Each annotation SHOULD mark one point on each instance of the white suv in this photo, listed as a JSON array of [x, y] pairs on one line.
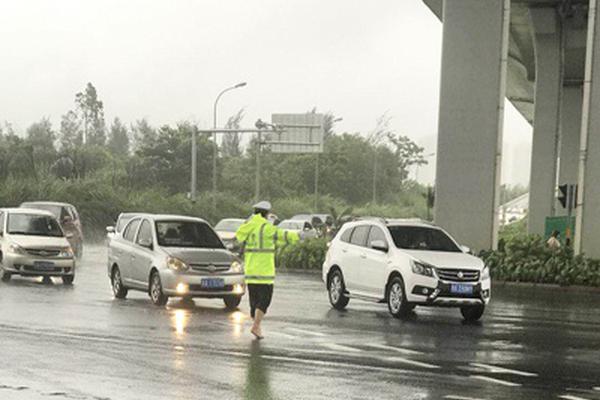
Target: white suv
[[404, 263]]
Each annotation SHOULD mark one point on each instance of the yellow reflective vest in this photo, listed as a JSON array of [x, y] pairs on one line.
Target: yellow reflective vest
[[260, 239]]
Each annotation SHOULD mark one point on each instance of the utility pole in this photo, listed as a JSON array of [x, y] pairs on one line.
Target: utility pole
[[194, 166], [257, 177]]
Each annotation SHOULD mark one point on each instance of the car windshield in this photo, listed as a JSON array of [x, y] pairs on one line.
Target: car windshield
[[187, 234], [291, 225], [54, 209], [228, 225], [422, 238], [35, 225]]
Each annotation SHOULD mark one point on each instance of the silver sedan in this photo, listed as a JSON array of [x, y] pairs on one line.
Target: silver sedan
[[173, 256]]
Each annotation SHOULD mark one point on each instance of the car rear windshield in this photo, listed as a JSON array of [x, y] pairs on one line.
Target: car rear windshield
[[34, 225], [228, 225], [187, 234], [422, 238]]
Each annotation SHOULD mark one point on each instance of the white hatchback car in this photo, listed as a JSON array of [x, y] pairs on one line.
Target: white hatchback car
[[173, 256], [404, 263]]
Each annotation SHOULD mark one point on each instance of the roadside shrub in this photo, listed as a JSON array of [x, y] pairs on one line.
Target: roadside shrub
[[309, 254], [528, 259]]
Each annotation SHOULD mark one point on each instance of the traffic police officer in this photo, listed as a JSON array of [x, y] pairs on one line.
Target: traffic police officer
[[260, 238]]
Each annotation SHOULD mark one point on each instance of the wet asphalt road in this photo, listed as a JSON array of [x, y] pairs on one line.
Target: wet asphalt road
[[80, 343]]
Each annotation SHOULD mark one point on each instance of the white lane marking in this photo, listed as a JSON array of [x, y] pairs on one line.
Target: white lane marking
[[396, 349], [571, 397], [501, 370], [412, 362], [307, 332], [494, 380], [456, 397], [340, 347]]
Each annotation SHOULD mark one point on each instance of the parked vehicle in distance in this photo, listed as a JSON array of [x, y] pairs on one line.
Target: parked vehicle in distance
[[32, 243], [299, 226], [405, 263], [173, 256], [68, 218], [226, 229]]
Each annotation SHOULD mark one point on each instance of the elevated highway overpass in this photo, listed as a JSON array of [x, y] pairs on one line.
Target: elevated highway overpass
[[541, 56]]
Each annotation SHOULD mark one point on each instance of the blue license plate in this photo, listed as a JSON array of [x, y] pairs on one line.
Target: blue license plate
[[43, 265], [461, 289], [212, 283]]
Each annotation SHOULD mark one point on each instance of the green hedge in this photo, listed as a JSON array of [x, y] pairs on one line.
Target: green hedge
[[528, 259], [308, 254]]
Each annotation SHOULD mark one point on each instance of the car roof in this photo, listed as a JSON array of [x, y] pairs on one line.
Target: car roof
[[48, 203], [19, 210], [233, 219], [415, 222], [133, 214], [174, 217]]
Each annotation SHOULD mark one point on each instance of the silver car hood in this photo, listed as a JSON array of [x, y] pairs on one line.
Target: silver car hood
[[201, 256], [442, 259], [35, 242]]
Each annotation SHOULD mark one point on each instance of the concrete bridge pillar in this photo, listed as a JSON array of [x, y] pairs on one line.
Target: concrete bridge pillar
[[546, 123], [587, 232], [473, 80]]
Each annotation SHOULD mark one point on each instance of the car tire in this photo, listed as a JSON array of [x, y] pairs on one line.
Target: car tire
[[472, 313], [396, 298], [232, 302], [116, 282], [68, 279], [337, 290], [5, 276], [156, 290]]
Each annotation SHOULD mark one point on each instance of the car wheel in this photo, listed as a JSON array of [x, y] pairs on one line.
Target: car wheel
[[119, 291], [156, 291], [336, 290], [6, 276], [232, 302], [68, 279], [396, 298], [472, 313]]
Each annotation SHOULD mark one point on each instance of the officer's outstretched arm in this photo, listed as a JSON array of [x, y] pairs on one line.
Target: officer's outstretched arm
[[281, 237]]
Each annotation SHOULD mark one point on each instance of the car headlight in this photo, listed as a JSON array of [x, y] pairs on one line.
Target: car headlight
[[237, 267], [66, 252], [16, 249], [422, 269], [485, 273], [176, 264]]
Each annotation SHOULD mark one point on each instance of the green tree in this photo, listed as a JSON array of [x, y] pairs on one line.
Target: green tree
[[143, 134], [71, 135], [92, 114], [41, 137], [118, 139], [231, 146]]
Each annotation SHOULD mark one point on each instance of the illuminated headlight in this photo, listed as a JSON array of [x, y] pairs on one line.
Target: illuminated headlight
[[422, 269], [236, 267], [176, 264], [182, 288], [66, 252], [485, 273], [16, 249]]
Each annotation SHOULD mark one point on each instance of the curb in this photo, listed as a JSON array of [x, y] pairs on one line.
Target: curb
[[574, 288]]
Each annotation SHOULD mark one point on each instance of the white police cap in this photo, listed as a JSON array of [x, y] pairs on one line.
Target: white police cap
[[262, 205]]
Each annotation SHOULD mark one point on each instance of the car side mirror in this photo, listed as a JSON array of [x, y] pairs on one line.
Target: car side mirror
[[379, 245], [147, 243], [110, 229], [466, 249]]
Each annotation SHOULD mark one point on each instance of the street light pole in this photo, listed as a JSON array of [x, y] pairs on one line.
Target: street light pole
[[215, 154]]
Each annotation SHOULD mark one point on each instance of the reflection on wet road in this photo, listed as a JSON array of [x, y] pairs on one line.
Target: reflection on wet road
[[80, 343]]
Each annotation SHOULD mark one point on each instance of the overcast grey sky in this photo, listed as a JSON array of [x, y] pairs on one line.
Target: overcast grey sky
[[167, 60]]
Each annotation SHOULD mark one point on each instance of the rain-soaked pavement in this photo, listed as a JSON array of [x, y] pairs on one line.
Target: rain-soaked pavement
[[79, 343]]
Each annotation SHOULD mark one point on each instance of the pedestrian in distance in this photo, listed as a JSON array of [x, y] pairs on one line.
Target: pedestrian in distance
[[554, 243], [260, 239]]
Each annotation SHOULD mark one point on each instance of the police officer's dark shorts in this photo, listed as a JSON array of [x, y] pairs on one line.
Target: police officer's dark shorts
[[260, 297]]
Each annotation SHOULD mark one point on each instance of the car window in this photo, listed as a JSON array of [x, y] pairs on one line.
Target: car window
[[74, 212], [376, 234], [360, 235], [1, 223], [422, 238], [346, 235], [145, 233], [122, 221], [130, 230], [187, 234]]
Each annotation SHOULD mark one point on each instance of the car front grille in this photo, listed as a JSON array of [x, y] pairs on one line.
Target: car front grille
[[458, 275], [210, 268], [43, 252], [199, 288]]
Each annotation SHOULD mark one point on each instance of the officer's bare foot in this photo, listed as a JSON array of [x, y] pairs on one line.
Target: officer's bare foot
[[257, 333]]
